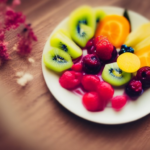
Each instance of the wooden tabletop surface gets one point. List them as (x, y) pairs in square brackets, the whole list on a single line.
[(32, 118)]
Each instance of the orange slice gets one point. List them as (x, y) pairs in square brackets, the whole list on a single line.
[(116, 28), (144, 56), (128, 62)]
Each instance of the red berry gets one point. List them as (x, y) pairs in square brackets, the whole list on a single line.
[(104, 49), (91, 64), (118, 102), (70, 79), (90, 46), (105, 92), (89, 43), (98, 39), (90, 82), (92, 102), (134, 88), (143, 74), (77, 67)]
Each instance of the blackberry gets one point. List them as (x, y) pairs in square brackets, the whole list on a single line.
[(125, 49), (134, 88), (143, 75)]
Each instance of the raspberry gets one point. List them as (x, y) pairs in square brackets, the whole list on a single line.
[(91, 64), (92, 102), (70, 79), (118, 102), (90, 82), (143, 75), (105, 92), (104, 49), (134, 88), (77, 67)]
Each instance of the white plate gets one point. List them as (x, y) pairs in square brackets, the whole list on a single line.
[(132, 111)]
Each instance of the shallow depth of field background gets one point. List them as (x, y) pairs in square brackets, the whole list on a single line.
[(31, 118)]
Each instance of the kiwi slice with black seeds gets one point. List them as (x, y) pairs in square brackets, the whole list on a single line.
[(57, 60), (114, 75), (82, 25), (100, 14), (62, 40)]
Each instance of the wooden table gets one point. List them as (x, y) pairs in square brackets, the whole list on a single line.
[(33, 119)]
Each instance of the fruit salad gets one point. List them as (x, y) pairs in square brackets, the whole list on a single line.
[(98, 53)]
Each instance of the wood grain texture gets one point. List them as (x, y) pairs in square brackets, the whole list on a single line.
[(32, 113)]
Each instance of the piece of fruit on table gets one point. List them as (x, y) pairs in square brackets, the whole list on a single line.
[(92, 102), (143, 44), (57, 60), (118, 102), (104, 49), (134, 88), (143, 74), (91, 64), (100, 14), (105, 92), (114, 75), (65, 32), (70, 79), (61, 39), (82, 25), (138, 35), (116, 28), (128, 62), (144, 56)]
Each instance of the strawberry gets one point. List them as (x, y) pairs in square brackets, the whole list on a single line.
[(104, 49), (70, 79), (105, 92), (90, 82), (77, 67), (118, 102), (92, 101)]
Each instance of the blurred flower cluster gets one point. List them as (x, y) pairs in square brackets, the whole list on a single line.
[(10, 20)]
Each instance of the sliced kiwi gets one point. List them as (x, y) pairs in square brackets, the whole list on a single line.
[(61, 40), (57, 60), (82, 25), (100, 14), (65, 32), (115, 76)]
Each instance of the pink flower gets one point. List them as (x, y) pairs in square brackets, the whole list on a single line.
[(13, 19), (2, 35), (3, 52), (16, 3), (26, 39), (3, 1)]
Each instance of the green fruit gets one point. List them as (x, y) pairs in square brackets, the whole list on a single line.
[(61, 40), (57, 60), (100, 14), (82, 25), (65, 32), (115, 76)]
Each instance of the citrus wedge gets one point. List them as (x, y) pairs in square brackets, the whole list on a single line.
[(116, 28), (144, 56)]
